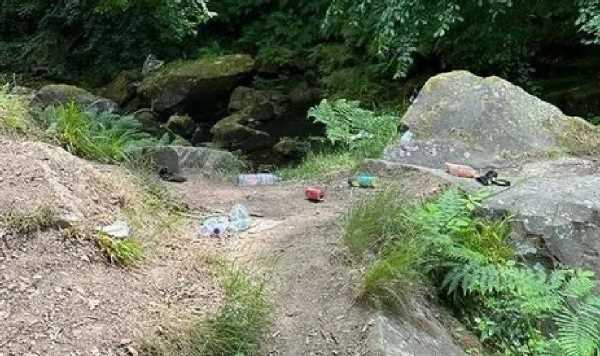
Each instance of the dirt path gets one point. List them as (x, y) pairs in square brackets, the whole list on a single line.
[(59, 296), (297, 246)]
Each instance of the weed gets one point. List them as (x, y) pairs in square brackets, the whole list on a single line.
[(20, 222), (236, 328), (123, 252), (14, 115)]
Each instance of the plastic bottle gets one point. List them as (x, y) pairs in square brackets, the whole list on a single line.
[(363, 181), (250, 180), (239, 219)]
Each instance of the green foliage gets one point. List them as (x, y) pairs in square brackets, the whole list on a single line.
[(485, 36), (103, 137), (353, 128), (508, 303), (236, 329), (14, 115), (67, 37), (123, 252), (321, 163)]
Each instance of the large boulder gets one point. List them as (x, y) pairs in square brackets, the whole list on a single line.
[(483, 122), (553, 202), (259, 119), (196, 85), (238, 132), (193, 160), (60, 94), (555, 211)]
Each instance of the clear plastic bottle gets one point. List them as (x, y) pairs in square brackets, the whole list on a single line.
[(250, 180)]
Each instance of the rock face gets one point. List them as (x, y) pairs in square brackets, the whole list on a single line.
[(418, 332), (122, 90), (555, 209), (57, 94), (554, 199), (260, 119), (206, 161), (198, 84), (483, 122)]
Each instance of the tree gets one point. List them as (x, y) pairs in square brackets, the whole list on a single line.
[(498, 36)]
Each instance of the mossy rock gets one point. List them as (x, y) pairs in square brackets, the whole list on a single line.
[(203, 83), (182, 125), (61, 94), (233, 132), (122, 89)]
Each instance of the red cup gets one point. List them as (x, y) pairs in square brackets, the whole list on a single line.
[(314, 194)]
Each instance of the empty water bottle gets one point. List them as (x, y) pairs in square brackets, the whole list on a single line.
[(215, 227), (250, 180), (239, 219)]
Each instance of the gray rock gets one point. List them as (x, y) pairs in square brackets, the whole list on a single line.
[(194, 160), (238, 131), (292, 148), (181, 125), (198, 84), (61, 94), (485, 123), (118, 230), (151, 64), (555, 211), (481, 122), (419, 332)]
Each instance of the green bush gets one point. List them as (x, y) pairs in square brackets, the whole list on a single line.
[(102, 137), (508, 303), (351, 127), (123, 252), (14, 114)]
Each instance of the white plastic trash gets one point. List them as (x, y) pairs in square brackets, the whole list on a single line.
[(239, 219), (216, 226)]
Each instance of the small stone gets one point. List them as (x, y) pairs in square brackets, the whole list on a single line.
[(119, 230)]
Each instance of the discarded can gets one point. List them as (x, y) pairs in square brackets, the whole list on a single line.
[(314, 194), (461, 171), (250, 180), (363, 181)]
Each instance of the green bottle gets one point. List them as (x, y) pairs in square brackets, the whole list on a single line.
[(363, 181)]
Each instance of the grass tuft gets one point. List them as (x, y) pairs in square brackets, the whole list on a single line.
[(235, 330), (20, 222), (320, 165), (14, 114), (123, 252)]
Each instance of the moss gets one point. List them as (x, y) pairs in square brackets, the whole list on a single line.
[(207, 67), (579, 137)]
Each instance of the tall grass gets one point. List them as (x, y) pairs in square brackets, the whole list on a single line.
[(101, 137), (14, 114)]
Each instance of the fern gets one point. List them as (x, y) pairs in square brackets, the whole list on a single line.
[(355, 128), (579, 328)]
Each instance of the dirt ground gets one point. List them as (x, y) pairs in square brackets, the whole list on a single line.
[(60, 297)]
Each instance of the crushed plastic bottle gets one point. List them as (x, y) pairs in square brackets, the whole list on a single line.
[(239, 219), (363, 181), (215, 227), (250, 180)]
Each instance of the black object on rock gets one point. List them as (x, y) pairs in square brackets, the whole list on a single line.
[(490, 178), (166, 175)]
